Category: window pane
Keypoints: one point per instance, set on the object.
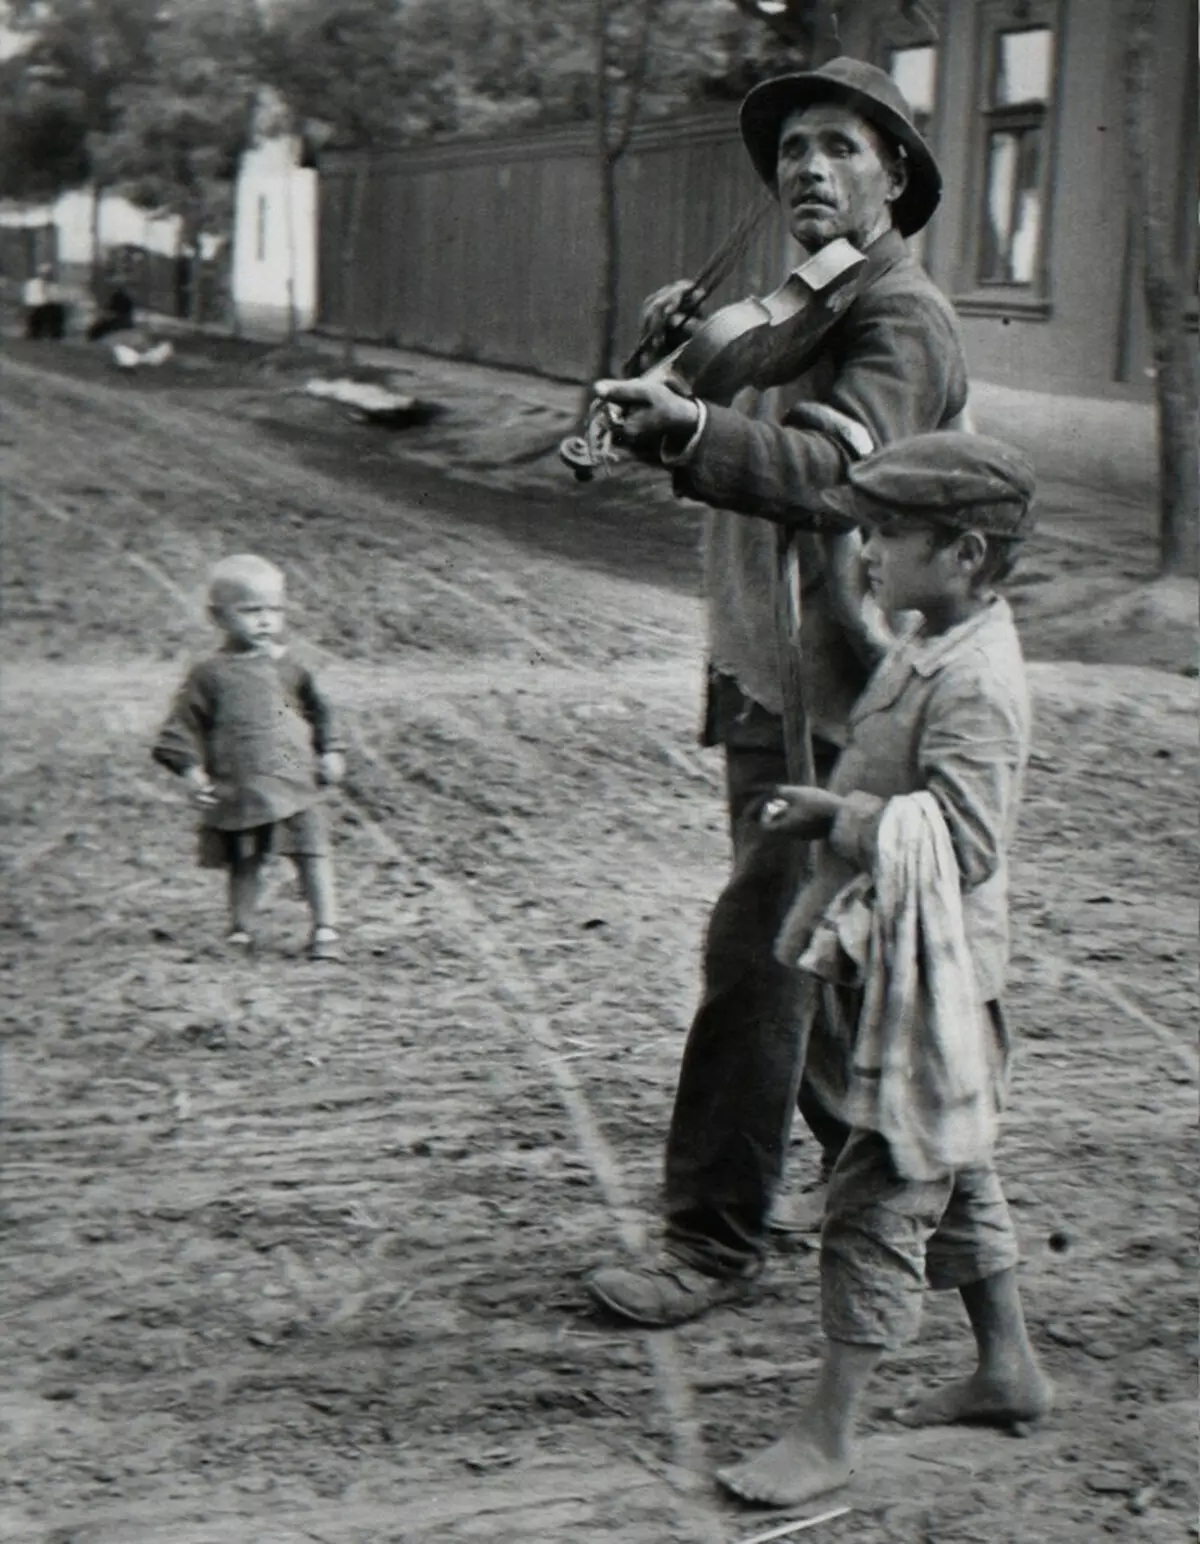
(1013, 217)
(1024, 61)
(915, 71)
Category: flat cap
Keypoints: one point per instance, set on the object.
(946, 478)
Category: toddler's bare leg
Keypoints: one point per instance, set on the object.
(1008, 1385)
(245, 884)
(316, 876)
(817, 1454)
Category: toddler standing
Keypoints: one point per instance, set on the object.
(243, 732)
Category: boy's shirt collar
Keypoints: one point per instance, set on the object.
(928, 655)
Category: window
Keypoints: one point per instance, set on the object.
(1016, 156)
(915, 71)
(260, 229)
(904, 43)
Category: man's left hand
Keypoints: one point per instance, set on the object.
(650, 413)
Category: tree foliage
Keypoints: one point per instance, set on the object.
(405, 71)
(149, 96)
(181, 123)
(156, 96)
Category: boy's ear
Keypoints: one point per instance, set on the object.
(972, 551)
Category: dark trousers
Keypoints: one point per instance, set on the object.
(744, 1058)
(46, 321)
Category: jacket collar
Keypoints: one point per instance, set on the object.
(930, 654)
(888, 250)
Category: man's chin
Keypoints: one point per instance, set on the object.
(813, 232)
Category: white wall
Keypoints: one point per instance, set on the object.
(121, 224)
(275, 237)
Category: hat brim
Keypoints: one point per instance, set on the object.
(767, 107)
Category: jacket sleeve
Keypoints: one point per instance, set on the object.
(899, 372)
(181, 741)
(971, 754)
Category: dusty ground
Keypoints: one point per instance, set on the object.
(292, 1252)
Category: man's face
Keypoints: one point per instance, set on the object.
(836, 177)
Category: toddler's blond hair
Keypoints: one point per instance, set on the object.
(244, 574)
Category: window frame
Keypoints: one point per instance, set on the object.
(893, 34)
(977, 296)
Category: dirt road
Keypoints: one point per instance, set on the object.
(292, 1252)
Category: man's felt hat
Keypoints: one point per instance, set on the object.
(967, 481)
(867, 91)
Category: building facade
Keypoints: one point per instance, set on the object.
(492, 252)
(1023, 102)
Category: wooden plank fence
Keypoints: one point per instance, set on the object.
(491, 252)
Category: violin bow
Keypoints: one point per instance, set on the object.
(716, 268)
(590, 449)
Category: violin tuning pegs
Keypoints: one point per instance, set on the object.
(577, 454)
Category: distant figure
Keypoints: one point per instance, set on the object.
(45, 313)
(116, 315)
(253, 738)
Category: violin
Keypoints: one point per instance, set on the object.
(759, 342)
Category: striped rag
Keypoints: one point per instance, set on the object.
(924, 1074)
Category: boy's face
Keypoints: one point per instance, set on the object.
(253, 618)
(908, 570)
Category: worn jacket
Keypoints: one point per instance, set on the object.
(949, 714)
(894, 364)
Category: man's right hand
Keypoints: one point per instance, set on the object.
(659, 308)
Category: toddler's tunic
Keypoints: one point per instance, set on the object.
(254, 721)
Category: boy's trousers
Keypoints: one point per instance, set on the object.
(885, 1237)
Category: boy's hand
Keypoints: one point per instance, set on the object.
(200, 788)
(331, 768)
(801, 811)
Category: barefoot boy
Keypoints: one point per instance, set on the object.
(903, 932)
(252, 736)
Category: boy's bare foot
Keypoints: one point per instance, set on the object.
(984, 1400)
(790, 1472)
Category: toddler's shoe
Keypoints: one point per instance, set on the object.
(325, 945)
(240, 942)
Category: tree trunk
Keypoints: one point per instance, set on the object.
(610, 266)
(350, 245)
(97, 274)
(1175, 368)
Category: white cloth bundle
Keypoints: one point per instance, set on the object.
(925, 1069)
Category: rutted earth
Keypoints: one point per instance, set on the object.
(293, 1252)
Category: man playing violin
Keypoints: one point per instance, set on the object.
(838, 148)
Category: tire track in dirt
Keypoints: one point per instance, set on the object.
(1073, 1117)
(178, 429)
